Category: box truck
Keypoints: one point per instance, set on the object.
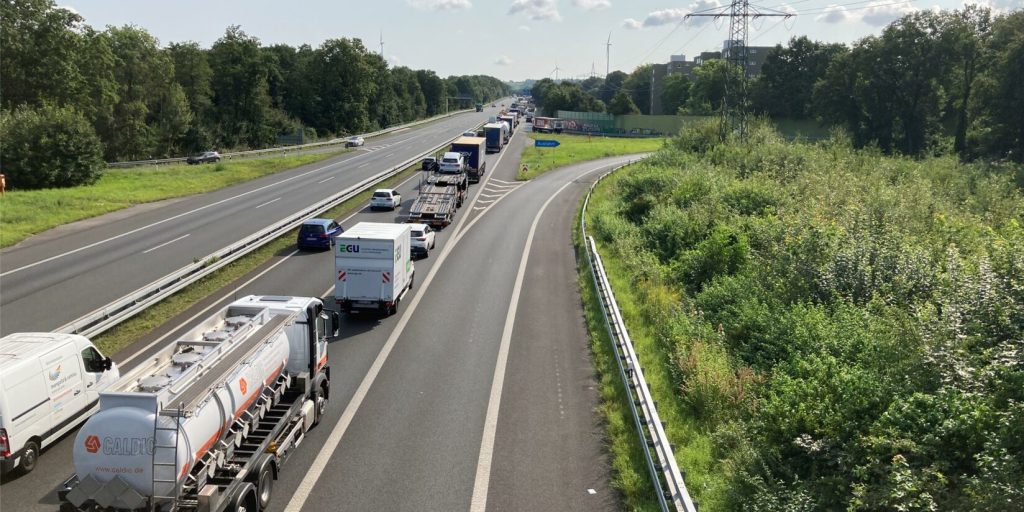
(49, 384)
(211, 420)
(472, 150)
(373, 267)
(495, 136)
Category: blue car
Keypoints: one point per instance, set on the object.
(318, 233)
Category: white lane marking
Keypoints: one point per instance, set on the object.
(475, 208)
(490, 195)
(316, 469)
(157, 223)
(268, 202)
(364, 165)
(388, 155)
(326, 180)
(173, 217)
(506, 182)
(165, 243)
(483, 466)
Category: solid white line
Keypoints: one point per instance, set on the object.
(483, 467)
(268, 202)
(165, 243)
(328, 179)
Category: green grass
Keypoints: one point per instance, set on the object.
(29, 212)
(693, 447)
(630, 476)
(578, 148)
(129, 331)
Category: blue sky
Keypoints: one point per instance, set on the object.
(509, 39)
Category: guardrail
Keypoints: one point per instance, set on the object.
(665, 472)
(101, 319)
(300, 147)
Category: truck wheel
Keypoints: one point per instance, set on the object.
(29, 457)
(319, 405)
(245, 500)
(265, 487)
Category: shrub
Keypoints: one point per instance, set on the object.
(49, 147)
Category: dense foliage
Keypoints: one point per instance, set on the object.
(145, 100)
(846, 326)
(50, 147)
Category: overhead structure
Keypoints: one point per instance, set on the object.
(740, 12)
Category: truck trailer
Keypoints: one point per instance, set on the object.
(512, 120)
(547, 125)
(211, 420)
(494, 133)
(436, 205)
(373, 267)
(473, 150)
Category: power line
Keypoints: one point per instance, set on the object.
(818, 10)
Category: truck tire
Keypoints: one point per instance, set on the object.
(29, 456)
(245, 500)
(265, 487)
(319, 405)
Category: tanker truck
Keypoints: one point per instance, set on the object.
(208, 422)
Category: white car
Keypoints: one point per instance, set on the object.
(354, 141)
(422, 239)
(385, 198)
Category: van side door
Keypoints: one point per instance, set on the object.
(64, 383)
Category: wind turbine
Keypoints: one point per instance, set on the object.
(608, 55)
(382, 44)
(556, 70)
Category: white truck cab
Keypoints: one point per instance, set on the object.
(49, 383)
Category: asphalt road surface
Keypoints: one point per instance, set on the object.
(479, 394)
(58, 276)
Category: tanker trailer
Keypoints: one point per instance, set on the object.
(208, 422)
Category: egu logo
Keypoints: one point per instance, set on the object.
(348, 248)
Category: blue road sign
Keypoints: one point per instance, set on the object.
(543, 143)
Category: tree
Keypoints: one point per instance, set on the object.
(675, 90)
(49, 147)
(638, 85)
(786, 84)
(998, 129)
(612, 85)
(40, 53)
(622, 104)
(707, 94)
(240, 93)
(963, 36)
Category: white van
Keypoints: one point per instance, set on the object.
(49, 383)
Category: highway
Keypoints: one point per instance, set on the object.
(479, 394)
(58, 276)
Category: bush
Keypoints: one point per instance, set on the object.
(49, 147)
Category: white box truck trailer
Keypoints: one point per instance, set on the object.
(373, 267)
(210, 421)
(49, 384)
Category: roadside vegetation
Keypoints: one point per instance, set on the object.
(578, 148)
(825, 327)
(29, 212)
(133, 329)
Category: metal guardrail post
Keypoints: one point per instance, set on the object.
(635, 383)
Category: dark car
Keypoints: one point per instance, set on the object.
(429, 164)
(318, 233)
(208, 157)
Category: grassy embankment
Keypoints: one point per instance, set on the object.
(28, 212)
(824, 328)
(578, 148)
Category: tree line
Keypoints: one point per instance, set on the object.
(931, 82)
(80, 96)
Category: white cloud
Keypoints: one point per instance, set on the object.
(632, 24)
(997, 6)
(503, 61)
(394, 61)
(524, 28)
(834, 14)
(537, 10)
(665, 17)
(592, 4)
(441, 5)
(882, 13)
